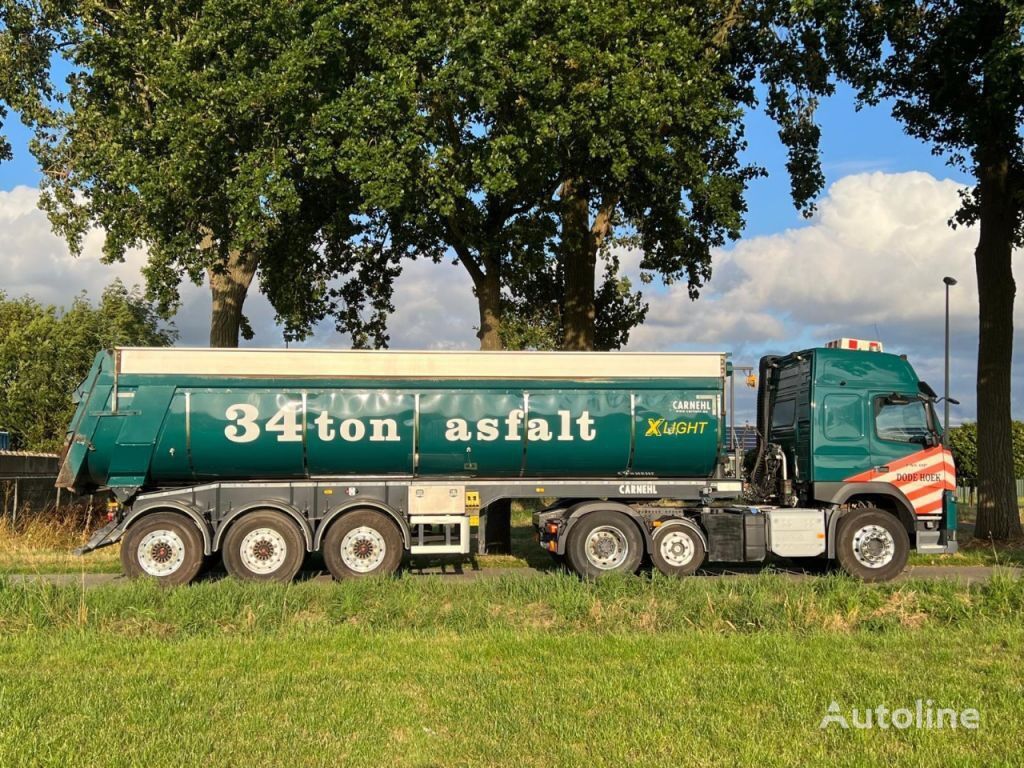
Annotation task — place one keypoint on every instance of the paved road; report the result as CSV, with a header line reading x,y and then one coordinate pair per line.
x,y
970,574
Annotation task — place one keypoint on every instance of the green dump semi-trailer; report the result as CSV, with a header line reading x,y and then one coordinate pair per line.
x,y
261,456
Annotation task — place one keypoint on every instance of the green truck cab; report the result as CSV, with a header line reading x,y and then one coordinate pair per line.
x,y
858,427
262,456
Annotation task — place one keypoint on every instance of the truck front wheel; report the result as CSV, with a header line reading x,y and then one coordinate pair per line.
x,y
872,545
604,542
363,543
163,546
264,546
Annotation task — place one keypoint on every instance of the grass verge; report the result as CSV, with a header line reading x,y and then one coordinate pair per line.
x,y
534,672
553,602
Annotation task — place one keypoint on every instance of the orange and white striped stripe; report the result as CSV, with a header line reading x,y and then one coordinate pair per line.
x,y
921,476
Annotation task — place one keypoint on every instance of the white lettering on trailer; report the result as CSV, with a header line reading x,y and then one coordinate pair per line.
x,y
638,489
286,423
456,429
538,429
245,429
693,406
288,426
487,430
352,430
513,422
324,426
384,431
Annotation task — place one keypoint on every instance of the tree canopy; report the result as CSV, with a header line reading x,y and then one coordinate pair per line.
x,y
46,351
316,145
193,129
540,134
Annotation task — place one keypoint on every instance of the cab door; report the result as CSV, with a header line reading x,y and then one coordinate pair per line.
x,y
841,444
906,454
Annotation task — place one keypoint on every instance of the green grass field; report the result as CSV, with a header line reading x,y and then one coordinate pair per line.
x,y
542,671
546,671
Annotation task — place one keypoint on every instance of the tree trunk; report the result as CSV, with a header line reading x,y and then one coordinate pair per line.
x,y
229,288
579,265
581,241
488,296
998,516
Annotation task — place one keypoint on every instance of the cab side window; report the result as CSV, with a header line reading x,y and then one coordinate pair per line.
x,y
843,417
784,414
901,422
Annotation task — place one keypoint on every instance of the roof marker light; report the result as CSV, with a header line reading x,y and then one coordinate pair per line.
x,y
862,345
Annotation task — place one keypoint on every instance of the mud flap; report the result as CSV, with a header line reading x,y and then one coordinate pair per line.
x,y
98,540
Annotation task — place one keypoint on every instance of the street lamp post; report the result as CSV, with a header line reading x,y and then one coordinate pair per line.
x,y
949,281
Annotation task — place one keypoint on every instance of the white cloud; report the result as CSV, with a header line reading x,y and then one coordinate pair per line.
x,y
869,264
36,262
436,307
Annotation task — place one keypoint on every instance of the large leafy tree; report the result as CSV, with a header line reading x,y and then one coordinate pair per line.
x,y
230,137
963,441
955,73
193,128
46,351
543,133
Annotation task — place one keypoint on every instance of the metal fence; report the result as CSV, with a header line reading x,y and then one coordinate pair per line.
x,y
968,494
27,481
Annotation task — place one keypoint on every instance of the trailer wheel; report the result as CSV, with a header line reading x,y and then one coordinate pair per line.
x,y
677,550
163,546
363,543
872,545
265,545
604,542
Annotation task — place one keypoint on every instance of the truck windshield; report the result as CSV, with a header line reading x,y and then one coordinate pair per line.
x,y
903,421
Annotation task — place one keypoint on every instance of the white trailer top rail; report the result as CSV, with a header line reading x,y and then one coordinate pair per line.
x,y
417,364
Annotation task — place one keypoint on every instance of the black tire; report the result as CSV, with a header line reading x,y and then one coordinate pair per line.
x,y
265,545
871,534
163,546
375,547
677,550
604,542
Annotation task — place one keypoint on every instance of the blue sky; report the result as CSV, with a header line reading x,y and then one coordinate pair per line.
x,y
853,141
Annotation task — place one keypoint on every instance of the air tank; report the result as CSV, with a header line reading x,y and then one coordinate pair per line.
x,y
163,418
